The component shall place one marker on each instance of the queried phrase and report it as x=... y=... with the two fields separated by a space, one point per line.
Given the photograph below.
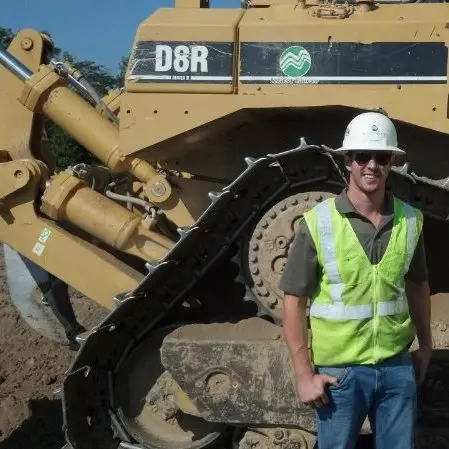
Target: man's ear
x=348 y=162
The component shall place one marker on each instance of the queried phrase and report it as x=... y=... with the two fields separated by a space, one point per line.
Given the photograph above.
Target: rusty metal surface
x=149 y=403
x=237 y=373
x=277 y=438
x=242 y=373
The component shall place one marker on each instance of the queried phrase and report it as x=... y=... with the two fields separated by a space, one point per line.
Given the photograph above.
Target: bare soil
x=32 y=369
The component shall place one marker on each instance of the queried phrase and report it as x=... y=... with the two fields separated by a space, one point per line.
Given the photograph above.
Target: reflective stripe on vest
x=337 y=310
x=364 y=311
x=330 y=262
x=412 y=225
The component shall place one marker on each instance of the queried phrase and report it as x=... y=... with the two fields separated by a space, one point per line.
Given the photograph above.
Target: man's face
x=369 y=169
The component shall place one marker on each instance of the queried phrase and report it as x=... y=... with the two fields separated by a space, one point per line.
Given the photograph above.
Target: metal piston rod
x=14 y=65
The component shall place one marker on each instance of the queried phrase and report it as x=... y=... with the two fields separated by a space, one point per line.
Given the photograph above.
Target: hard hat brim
x=394 y=150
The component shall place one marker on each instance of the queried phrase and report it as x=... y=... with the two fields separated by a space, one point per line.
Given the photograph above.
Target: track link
x=90 y=421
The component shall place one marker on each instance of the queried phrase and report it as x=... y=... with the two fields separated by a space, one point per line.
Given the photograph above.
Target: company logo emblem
x=374 y=128
x=295 y=61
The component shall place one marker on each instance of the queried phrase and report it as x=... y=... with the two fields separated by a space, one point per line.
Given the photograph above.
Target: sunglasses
x=363 y=157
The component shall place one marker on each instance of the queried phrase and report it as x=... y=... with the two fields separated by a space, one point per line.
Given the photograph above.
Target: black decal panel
x=343 y=63
x=182 y=62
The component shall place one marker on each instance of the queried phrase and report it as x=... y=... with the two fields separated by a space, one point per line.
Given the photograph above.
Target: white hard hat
x=370 y=131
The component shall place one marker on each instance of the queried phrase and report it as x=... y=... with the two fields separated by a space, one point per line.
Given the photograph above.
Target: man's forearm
x=296 y=334
x=418 y=296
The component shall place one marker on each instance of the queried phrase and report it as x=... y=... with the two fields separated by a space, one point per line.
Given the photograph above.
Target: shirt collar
x=344 y=205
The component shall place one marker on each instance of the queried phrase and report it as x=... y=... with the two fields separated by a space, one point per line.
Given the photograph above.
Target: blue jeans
x=385 y=392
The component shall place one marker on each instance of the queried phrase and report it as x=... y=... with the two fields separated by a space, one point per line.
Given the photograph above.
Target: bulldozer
x=219 y=141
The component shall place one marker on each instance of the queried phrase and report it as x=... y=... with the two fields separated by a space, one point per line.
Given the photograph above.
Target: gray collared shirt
x=302 y=271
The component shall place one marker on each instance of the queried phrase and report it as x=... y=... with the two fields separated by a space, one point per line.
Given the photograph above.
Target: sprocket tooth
x=405 y=170
x=250 y=161
x=184 y=231
x=303 y=143
x=81 y=338
x=150 y=267
x=214 y=196
x=119 y=299
x=124 y=445
x=57 y=394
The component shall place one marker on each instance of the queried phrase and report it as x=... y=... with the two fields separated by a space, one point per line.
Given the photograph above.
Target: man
x=360 y=260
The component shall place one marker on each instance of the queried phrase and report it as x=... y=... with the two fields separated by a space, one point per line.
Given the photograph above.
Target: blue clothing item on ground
x=385 y=392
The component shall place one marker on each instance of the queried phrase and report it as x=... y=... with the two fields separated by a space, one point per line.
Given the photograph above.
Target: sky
x=98 y=30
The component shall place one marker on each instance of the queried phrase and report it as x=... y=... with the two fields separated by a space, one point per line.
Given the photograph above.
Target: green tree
x=6 y=36
x=123 y=64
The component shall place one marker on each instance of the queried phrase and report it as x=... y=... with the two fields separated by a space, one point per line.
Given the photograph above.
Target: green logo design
x=295 y=61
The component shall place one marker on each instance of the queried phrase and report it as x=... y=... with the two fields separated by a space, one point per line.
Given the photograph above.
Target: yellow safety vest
x=359 y=311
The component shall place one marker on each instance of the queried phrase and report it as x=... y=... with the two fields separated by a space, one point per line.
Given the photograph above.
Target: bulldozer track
x=90 y=420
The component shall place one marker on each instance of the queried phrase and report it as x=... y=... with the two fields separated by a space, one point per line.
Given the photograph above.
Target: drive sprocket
x=265 y=251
